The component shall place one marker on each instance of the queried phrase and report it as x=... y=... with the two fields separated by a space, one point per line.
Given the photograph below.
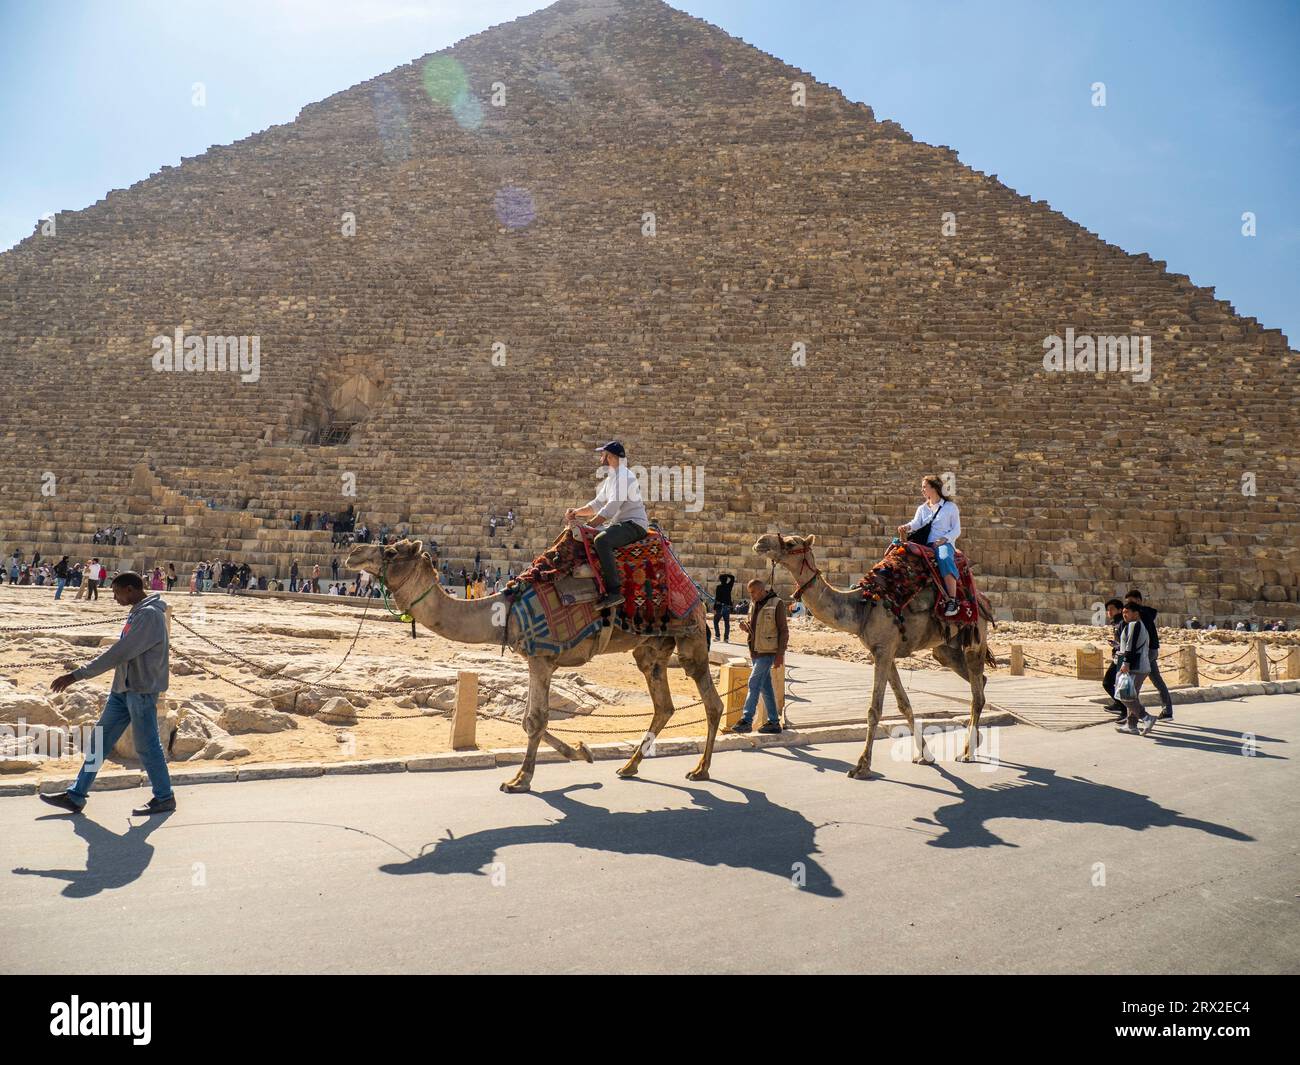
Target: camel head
x=397 y=562
x=777 y=548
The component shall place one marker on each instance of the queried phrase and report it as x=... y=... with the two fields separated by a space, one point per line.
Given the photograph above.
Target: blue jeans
x=140 y=711
x=943 y=556
x=760 y=680
x=59 y=584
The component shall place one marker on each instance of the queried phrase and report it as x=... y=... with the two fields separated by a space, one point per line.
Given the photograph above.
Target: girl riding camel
x=937 y=523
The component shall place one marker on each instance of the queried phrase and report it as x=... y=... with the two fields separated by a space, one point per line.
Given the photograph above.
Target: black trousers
x=1159 y=681
x=607 y=542
x=1108 y=682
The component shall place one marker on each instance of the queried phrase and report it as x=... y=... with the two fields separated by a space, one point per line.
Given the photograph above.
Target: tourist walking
x=769 y=635
x=1148 y=614
x=1115 y=620
x=171 y=575
x=1134 y=662
x=139 y=660
x=293 y=576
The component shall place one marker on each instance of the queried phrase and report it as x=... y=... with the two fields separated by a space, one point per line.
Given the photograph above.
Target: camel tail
x=986 y=608
x=989 y=660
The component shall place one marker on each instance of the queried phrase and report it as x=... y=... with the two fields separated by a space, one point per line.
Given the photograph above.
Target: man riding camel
x=619 y=508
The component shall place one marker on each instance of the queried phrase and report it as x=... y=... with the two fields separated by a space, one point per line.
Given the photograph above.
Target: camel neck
x=476 y=621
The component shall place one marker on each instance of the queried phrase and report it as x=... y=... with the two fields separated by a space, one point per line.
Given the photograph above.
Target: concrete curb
x=1213 y=693
x=509 y=756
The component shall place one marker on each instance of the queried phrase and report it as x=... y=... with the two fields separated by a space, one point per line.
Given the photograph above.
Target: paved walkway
x=1084 y=852
x=830 y=691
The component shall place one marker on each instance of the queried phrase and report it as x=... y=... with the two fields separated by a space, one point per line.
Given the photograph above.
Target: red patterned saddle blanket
x=658 y=593
x=906 y=569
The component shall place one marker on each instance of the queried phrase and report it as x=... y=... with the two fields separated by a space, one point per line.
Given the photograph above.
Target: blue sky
x=1202 y=121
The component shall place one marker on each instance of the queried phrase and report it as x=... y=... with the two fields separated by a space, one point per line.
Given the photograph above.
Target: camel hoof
x=584 y=752
x=698 y=774
x=923 y=760
x=965 y=758
x=514 y=787
x=857 y=773
x=627 y=772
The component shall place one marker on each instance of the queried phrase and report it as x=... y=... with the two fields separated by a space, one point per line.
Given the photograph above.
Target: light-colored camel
x=873 y=623
x=413 y=587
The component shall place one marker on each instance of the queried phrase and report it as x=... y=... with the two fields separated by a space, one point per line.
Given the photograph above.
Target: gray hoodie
x=139 y=658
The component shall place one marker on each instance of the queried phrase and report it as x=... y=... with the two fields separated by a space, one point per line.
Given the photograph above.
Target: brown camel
x=414 y=589
x=873 y=624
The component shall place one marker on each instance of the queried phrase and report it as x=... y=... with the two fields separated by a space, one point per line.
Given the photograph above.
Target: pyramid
x=611 y=219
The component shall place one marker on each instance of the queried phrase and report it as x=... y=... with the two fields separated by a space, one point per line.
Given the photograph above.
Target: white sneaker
x=1148 y=723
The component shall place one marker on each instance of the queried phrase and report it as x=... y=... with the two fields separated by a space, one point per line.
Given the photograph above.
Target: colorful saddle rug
x=555 y=611
x=906 y=569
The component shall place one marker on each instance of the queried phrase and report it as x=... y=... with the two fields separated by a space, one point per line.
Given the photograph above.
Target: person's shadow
x=753 y=834
x=112 y=860
x=1041 y=794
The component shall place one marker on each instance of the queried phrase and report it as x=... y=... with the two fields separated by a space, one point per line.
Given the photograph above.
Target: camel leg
x=579 y=752
x=652 y=659
x=695 y=660
x=920 y=755
x=539 y=705
x=974 y=656
x=884 y=658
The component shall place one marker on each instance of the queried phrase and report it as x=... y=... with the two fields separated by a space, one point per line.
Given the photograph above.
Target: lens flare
x=514 y=207
x=390 y=123
x=445 y=81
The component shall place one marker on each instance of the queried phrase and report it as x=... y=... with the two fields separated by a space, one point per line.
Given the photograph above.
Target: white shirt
x=946 y=526
x=619 y=497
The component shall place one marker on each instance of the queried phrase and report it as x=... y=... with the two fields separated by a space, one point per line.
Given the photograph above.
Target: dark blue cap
x=614 y=448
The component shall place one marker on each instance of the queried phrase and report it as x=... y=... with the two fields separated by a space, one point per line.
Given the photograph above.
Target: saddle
x=554 y=600
x=907 y=569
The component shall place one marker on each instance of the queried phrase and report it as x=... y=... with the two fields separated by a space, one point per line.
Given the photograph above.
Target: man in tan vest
x=768 y=636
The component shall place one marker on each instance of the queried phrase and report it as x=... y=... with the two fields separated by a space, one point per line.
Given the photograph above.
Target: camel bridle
x=404 y=615
x=802 y=554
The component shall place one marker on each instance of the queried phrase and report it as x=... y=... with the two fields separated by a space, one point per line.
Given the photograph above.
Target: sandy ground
x=316 y=636
x=310 y=639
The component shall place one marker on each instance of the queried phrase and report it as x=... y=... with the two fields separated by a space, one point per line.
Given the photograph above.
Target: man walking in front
x=139 y=661
x=1133 y=660
x=1148 y=614
x=769 y=634
x=619 y=508
x=1114 y=621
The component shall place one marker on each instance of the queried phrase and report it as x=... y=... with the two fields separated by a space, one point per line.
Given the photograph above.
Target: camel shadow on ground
x=1042 y=794
x=113 y=859
x=751 y=834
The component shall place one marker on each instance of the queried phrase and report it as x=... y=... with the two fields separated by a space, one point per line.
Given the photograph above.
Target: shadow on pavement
x=1040 y=794
x=751 y=834
x=112 y=860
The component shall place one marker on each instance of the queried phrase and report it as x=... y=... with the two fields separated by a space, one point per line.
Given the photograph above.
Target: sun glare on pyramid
x=514 y=207
x=447 y=85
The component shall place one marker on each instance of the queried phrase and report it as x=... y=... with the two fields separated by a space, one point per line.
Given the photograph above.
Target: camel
x=414 y=589
x=846 y=609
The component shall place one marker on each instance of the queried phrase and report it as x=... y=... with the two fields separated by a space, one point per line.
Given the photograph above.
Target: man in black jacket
x=722 y=605
x=61 y=574
x=1148 y=614
x=1115 y=621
